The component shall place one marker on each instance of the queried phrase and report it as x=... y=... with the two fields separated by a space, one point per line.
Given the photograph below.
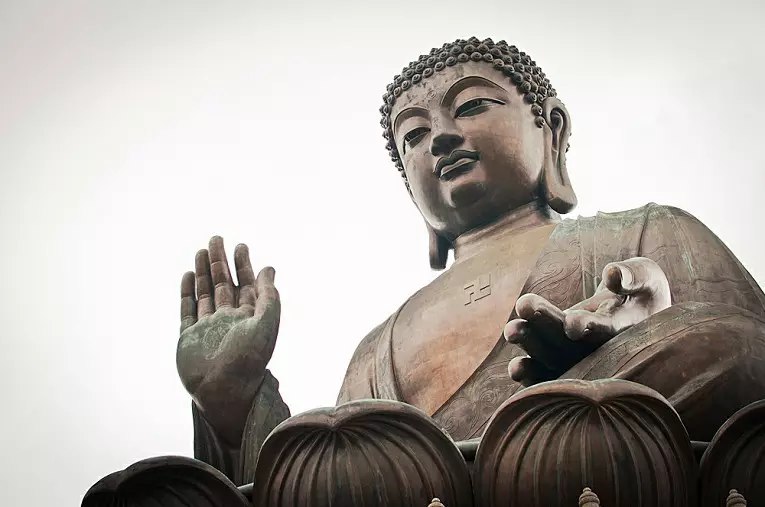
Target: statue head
x=476 y=131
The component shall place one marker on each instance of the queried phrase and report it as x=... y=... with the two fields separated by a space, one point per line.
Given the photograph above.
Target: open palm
x=555 y=339
x=228 y=334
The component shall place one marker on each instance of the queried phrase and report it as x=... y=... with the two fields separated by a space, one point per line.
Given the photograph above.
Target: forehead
x=431 y=90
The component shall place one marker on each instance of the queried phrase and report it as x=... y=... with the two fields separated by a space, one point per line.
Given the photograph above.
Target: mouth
x=458 y=163
x=458 y=168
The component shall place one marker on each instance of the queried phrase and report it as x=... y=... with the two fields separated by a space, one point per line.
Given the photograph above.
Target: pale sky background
x=132 y=131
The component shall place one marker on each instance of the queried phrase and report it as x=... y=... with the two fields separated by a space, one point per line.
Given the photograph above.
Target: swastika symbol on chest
x=477 y=289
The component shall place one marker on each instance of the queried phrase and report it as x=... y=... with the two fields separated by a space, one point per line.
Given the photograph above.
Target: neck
x=526 y=217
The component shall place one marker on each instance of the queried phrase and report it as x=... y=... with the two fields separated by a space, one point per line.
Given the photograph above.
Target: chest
x=447 y=329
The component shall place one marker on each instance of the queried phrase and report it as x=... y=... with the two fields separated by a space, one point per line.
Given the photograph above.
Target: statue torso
x=447 y=329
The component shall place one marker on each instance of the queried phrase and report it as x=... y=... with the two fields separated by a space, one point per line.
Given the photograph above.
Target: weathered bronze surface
x=736 y=456
x=339 y=453
x=653 y=329
x=170 y=481
x=538 y=449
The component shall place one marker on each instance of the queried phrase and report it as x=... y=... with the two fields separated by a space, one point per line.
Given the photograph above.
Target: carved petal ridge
x=369 y=452
x=548 y=442
x=172 y=481
x=735 y=459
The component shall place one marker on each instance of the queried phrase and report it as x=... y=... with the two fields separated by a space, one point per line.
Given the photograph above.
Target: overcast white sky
x=132 y=131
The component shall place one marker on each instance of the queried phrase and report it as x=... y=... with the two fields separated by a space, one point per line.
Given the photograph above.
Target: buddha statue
x=479 y=136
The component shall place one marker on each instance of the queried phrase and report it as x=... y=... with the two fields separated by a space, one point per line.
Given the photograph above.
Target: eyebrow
x=458 y=87
x=408 y=113
x=465 y=83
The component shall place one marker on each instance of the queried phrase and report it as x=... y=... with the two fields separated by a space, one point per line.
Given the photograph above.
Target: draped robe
x=705 y=354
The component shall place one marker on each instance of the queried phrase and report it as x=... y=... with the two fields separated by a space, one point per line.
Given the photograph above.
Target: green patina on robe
x=704 y=358
x=706 y=354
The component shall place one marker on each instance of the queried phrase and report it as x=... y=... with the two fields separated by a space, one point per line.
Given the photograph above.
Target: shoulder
x=650 y=210
x=359 y=381
x=359 y=377
x=659 y=218
x=665 y=212
x=367 y=347
x=680 y=221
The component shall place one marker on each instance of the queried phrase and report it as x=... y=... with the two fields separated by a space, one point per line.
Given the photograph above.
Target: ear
x=555 y=181
x=438 y=246
x=438 y=249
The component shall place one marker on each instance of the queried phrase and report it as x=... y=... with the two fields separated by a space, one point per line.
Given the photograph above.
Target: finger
x=264 y=286
x=205 y=303
x=188 y=301
x=244 y=276
x=516 y=331
x=544 y=318
x=530 y=306
x=520 y=332
x=634 y=275
x=267 y=309
x=527 y=371
x=591 y=304
x=589 y=327
x=221 y=275
x=547 y=341
x=619 y=279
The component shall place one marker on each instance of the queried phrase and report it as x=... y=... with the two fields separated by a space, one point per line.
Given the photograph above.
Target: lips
x=451 y=171
x=459 y=162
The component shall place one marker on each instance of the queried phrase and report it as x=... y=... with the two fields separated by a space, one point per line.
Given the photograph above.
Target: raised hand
x=228 y=334
x=631 y=291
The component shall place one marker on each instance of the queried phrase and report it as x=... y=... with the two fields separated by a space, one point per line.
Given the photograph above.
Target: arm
x=237 y=460
x=228 y=334
x=679 y=260
x=698 y=265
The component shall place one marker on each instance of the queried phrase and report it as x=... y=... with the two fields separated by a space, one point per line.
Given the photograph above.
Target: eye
x=412 y=137
x=474 y=107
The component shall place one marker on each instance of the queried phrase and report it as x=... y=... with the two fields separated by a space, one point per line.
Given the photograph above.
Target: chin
x=466 y=195
x=466 y=190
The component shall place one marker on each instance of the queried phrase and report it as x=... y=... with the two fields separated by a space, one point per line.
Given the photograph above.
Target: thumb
x=264 y=284
x=639 y=275
x=620 y=278
x=268 y=308
x=267 y=295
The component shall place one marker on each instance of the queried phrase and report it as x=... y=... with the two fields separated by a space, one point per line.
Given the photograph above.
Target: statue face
x=470 y=147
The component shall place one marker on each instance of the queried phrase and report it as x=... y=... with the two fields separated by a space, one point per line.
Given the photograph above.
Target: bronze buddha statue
x=479 y=136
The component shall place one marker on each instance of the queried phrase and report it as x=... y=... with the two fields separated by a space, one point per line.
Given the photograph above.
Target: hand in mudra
x=228 y=334
x=631 y=291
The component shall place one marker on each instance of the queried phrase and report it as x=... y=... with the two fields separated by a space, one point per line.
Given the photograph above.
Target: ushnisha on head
x=476 y=131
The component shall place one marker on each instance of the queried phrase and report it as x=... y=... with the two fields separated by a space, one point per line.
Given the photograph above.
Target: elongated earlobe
x=556 y=184
x=438 y=249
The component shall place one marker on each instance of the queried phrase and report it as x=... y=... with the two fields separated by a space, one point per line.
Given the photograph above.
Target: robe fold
x=705 y=354
x=237 y=460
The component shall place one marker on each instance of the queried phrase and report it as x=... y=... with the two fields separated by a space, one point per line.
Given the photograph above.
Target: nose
x=445 y=138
